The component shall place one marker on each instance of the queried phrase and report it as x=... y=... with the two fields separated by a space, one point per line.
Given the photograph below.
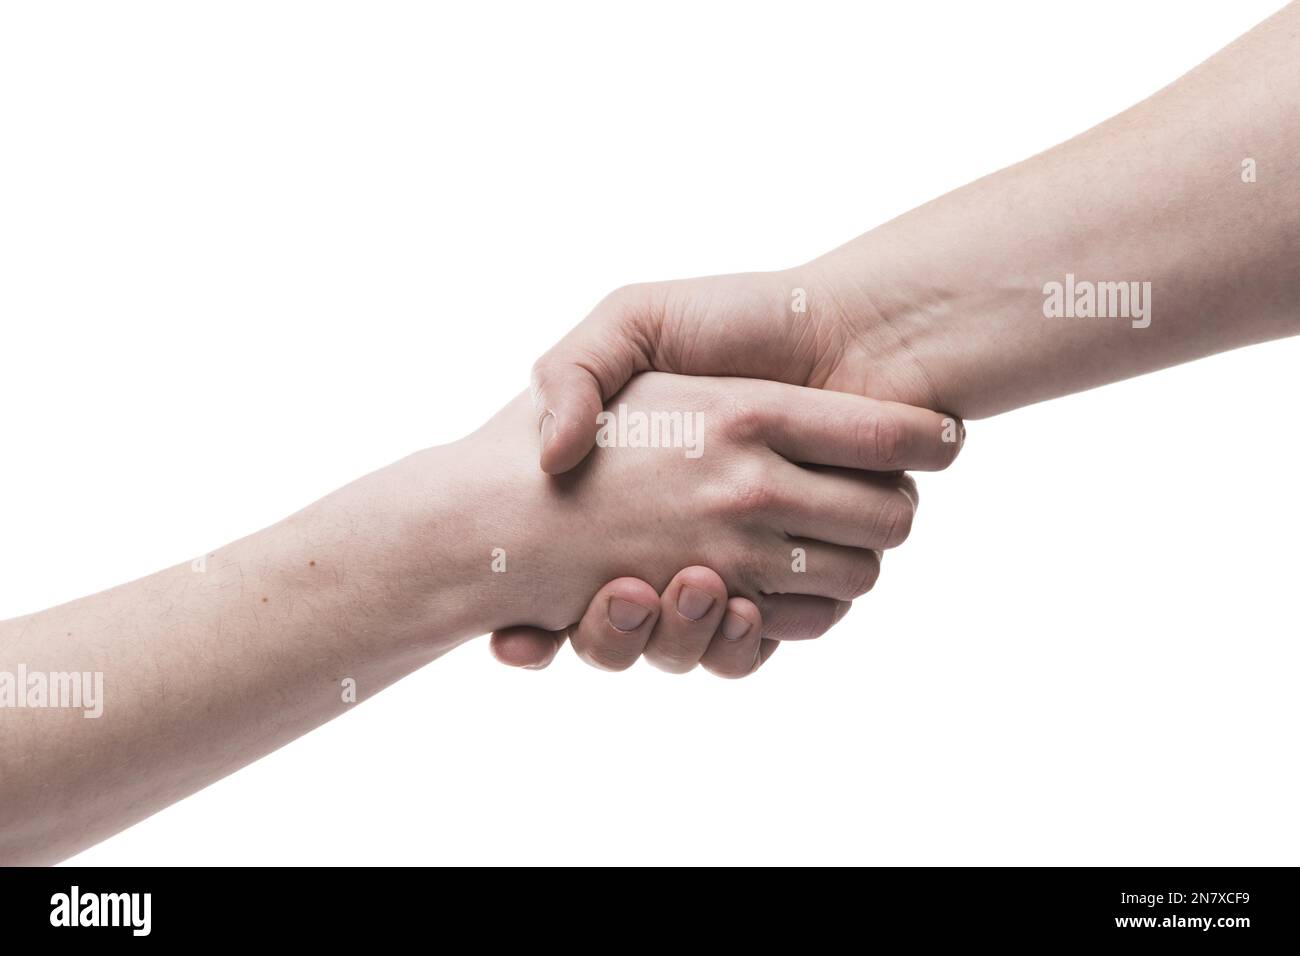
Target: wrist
x=518 y=537
x=481 y=534
x=939 y=318
x=399 y=557
x=889 y=343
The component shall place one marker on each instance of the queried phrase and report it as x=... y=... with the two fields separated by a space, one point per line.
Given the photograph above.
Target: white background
x=250 y=251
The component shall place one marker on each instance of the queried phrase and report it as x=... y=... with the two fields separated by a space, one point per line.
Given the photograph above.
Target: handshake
x=755 y=432
x=722 y=548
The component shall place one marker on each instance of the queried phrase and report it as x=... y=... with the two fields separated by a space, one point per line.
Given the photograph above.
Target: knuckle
x=894 y=520
x=538 y=375
x=881 y=440
x=859 y=576
x=628 y=305
x=806 y=622
x=907 y=486
x=749 y=498
x=729 y=670
x=603 y=656
x=749 y=491
x=743 y=418
x=624 y=297
x=820 y=619
x=670 y=662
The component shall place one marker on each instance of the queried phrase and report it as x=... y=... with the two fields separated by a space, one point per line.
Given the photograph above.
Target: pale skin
x=207 y=670
x=943 y=307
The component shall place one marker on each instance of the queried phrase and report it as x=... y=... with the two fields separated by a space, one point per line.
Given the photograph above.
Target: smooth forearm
x=208 y=666
x=1156 y=195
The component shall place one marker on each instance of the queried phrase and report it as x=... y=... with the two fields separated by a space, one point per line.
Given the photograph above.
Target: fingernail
x=626 y=616
x=734 y=627
x=548 y=429
x=693 y=603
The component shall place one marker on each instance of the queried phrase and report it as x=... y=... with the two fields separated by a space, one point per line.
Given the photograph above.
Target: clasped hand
x=780 y=523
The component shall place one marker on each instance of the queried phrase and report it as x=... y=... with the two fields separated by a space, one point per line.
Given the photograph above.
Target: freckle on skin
x=312 y=563
x=264 y=600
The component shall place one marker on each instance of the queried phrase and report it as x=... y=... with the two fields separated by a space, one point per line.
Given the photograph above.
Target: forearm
x=207 y=667
x=956 y=288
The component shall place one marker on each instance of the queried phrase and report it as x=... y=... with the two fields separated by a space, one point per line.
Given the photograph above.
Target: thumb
x=527 y=647
x=589 y=365
x=567 y=398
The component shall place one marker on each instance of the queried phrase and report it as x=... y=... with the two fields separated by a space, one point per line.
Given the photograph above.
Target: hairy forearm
x=208 y=666
x=956 y=288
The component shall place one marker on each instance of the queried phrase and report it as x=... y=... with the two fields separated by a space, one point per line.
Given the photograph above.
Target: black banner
x=1222 y=908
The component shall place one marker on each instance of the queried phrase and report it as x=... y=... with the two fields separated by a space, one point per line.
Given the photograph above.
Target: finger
x=734 y=650
x=528 y=647
x=857 y=509
x=571 y=382
x=567 y=400
x=818 y=427
x=617 y=625
x=803 y=566
x=691 y=611
x=799 y=617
